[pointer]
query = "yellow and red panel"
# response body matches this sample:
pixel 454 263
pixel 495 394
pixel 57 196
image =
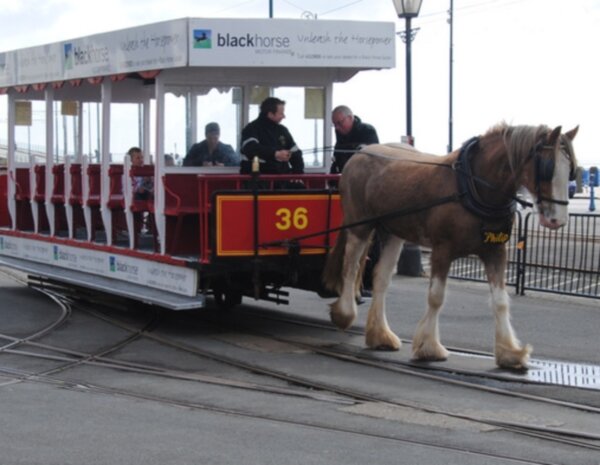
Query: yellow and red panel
pixel 281 217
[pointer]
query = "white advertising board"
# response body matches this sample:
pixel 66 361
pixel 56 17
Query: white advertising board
pixel 206 42
pixel 151 47
pixel 291 43
pixel 179 280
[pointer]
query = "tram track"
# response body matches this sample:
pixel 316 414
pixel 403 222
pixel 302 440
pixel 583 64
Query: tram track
pixel 418 367
pixel 73 358
pixel 552 434
pixel 313 425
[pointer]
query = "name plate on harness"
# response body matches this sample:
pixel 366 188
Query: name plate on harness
pixel 496 234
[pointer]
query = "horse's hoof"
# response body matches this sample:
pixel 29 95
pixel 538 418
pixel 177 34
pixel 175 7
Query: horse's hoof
pixel 386 348
pixel 515 359
pixel 339 318
pixel 436 354
pixel 387 342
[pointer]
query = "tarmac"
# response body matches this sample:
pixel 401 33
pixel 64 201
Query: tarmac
pixel 47 423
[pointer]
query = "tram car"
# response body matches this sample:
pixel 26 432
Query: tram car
pixel 68 212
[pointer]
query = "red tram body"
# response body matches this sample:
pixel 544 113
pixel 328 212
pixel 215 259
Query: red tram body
pixel 67 210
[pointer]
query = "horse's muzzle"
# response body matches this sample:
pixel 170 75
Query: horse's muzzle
pixel 551 223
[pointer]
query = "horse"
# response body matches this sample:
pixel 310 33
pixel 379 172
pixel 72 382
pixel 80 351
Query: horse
pixel 459 204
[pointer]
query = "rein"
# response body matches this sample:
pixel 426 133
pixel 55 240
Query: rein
pixel 374 219
pixel 467 195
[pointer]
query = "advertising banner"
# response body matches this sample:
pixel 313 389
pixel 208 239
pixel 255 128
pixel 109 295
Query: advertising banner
pixel 289 43
pixel 176 279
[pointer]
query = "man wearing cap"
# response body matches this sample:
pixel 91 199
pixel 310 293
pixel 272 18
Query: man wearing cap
pixel 211 152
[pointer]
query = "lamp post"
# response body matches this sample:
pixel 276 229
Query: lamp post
pixel 408 9
pixel 410 259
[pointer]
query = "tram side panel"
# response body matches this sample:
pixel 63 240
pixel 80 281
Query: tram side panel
pixel 288 245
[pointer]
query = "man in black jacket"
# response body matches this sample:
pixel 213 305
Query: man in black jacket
pixel 350 133
pixel 270 141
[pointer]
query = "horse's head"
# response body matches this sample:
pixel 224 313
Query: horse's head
pixel 553 164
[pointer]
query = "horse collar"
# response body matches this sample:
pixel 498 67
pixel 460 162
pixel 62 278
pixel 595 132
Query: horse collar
pixel 469 195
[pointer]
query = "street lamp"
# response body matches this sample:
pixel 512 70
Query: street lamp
pixel 408 9
pixel 410 259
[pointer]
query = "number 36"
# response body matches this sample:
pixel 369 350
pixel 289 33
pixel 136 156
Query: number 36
pixel 288 218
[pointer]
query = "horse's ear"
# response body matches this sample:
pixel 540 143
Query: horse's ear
pixel 572 133
pixel 554 136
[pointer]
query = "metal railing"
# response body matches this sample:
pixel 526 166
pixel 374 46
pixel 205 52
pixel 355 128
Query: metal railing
pixel 565 261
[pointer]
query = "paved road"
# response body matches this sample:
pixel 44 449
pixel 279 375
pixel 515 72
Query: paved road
pixel 95 413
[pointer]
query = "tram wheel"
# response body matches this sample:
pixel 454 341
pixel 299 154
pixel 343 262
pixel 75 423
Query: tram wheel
pixel 226 300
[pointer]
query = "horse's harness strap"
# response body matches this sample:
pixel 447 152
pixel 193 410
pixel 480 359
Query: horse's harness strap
pixel 470 198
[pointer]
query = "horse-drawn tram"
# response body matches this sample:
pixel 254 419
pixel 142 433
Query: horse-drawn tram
pixel 68 210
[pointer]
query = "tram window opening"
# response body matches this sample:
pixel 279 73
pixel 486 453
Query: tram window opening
pixel 92 130
pixel 126 130
pixel 30 135
pixel 188 112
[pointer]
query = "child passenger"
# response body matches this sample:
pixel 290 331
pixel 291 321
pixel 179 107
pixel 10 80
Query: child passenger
pixel 143 186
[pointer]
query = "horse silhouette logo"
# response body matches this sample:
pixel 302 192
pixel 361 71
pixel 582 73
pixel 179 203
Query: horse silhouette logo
pixel 68 55
pixel 202 38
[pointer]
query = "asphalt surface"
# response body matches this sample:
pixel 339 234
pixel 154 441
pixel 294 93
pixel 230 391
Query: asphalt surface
pixel 103 415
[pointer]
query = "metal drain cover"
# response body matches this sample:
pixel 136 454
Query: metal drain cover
pixel 564 374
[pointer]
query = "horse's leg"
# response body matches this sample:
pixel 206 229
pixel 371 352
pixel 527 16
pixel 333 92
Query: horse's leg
pixel 508 350
pixel 378 333
pixel 343 310
pixel 426 343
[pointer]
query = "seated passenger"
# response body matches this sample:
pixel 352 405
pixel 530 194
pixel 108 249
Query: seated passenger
pixel 143 186
pixel 211 152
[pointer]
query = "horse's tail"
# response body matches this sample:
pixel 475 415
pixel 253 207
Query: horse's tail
pixel 332 277
pixel 332 273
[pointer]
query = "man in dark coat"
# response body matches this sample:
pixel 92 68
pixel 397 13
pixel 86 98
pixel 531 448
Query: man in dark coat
pixel 211 151
pixel 270 141
pixel 350 133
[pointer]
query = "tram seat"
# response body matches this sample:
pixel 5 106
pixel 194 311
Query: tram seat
pixel 24 220
pixel 40 218
pixel 94 186
pixel 40 183
pixel 182 213
pixel 4 215
pixel 74 199
pixel 58 198
pixel 75 195
pixel 92 200
pixel 115 194
pixel 116 200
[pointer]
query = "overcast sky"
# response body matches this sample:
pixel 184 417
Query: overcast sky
pixel 519 61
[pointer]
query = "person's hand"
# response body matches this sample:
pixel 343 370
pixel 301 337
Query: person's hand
pixel 283 155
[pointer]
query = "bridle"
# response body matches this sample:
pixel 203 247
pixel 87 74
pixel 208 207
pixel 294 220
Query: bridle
pixel 544 170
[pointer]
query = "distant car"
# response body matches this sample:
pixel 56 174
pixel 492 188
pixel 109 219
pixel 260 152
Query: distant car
pixel 572 189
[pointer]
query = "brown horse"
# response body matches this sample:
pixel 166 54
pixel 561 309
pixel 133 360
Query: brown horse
pixel 459 204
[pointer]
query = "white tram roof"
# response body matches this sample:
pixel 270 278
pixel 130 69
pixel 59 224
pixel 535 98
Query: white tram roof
pixel 206 51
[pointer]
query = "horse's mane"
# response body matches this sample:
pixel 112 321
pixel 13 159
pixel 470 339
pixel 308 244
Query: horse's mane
pixel 521 140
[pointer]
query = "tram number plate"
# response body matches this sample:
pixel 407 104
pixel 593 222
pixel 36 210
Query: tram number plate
pixel 281 217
